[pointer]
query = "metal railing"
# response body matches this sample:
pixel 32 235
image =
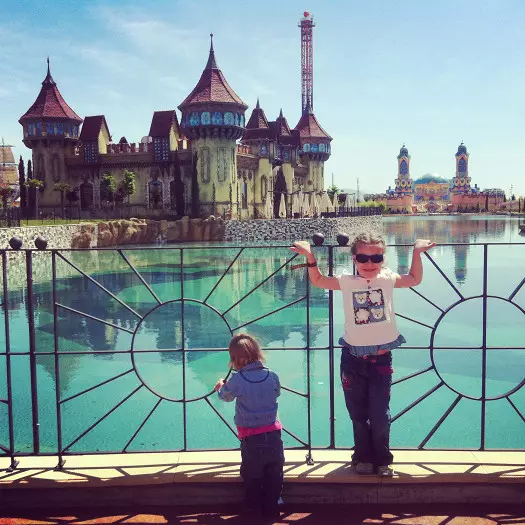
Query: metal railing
pixel 174 290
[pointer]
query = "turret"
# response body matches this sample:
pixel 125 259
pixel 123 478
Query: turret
pixel 213 119
pixel 461 181
pixel 403 180
pixel 314 148
pixel 51 130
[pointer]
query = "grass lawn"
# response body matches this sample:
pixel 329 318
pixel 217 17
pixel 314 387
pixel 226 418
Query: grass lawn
pixel 54 222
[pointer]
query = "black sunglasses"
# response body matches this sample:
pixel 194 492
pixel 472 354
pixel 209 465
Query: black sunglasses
pixel 362 258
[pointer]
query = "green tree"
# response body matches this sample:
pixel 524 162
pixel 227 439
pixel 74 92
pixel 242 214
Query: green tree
pixel 21 183
pixel 108 187
pixel 63 188
pixel 332 191
pixel 34 185
pixel 6 191
pixel 128 186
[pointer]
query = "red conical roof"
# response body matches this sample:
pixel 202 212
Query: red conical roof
pixel 257 126
pixel 308 127
pixel 212 87
pixel 50 103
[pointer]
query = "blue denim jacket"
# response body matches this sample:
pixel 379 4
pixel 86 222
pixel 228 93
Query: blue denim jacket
pixel 255 390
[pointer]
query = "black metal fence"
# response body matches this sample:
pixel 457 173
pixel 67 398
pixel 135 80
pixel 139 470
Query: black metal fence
pixel 172 287
pixel 9 217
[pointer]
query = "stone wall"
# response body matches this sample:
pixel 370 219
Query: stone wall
pixel 281 229
pixel 57 236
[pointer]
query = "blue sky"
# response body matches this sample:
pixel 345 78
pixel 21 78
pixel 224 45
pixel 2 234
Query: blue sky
pixel 427 73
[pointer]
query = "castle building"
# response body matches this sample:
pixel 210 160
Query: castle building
pixel 433 193
pixel 211 162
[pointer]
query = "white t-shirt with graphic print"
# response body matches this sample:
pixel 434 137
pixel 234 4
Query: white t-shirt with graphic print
pixel 369 308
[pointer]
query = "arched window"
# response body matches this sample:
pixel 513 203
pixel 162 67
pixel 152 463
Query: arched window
pixel 205 165
pixel 244 195
pixel 462 165
pixel 86 195
pixel 403 167
pixel 222 164
pixel 264 188
pixel 155 194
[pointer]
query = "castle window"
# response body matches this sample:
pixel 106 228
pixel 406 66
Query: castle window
pixel 462 165
pixel 315 148
pixel 222 164
pixel 216 118
pixel 264 148
pixel 161 149
pixel 205 165
pixel 205 118
pixel 306 148
pixel 31 129
pixel 237 120
pixel 244 195
pixel 322 148
pixel 242 120
pixel 90 152
pixel 403 167
pixel 264 188
pixel 49 128
pixel 39 128
pixel 194 118
pixel 228 118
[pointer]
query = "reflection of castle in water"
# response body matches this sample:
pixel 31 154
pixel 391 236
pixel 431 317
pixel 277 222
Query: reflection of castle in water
pixel 461 231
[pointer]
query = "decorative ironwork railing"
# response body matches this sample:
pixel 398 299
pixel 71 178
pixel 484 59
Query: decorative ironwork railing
pixel 117 350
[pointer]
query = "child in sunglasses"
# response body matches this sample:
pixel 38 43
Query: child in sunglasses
pixel 370 334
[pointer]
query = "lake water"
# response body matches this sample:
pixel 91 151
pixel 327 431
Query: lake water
pixel 142 390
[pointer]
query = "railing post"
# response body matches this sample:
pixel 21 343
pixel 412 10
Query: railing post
pixel 309 458
pixel 32 351
pixel 14 462
pixel 484 349
pixel 331 357
pixel 57 362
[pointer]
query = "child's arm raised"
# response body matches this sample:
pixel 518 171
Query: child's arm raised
pixel 415 275
pixel 227 391
pixel 316 277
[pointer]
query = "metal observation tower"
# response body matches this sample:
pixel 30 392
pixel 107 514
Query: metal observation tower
pixel 307 62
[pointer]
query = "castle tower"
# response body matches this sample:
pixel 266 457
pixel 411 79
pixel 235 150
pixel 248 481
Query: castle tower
pixel 258 136
pixel 213 119
pixel 51 130
pixel 283 151
pixel 314 149
pixel 403 181
pixel 461 181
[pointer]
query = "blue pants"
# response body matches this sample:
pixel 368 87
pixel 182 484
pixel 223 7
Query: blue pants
pixel 366 385
pixel 262 471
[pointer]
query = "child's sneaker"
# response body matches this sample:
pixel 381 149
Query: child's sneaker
pixel 364 468
pixel 385 471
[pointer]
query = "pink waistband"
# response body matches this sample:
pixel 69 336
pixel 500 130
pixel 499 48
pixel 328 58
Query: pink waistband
pixel 245 432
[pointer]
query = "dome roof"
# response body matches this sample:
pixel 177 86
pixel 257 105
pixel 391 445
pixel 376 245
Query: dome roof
pixel 461 149
pixel 431 177
pixel 403 152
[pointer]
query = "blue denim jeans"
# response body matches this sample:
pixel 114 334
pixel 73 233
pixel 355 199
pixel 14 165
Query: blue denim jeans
pixel 262 471
pixel 366 386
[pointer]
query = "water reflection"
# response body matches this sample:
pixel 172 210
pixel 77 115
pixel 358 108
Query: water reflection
pixel 247 283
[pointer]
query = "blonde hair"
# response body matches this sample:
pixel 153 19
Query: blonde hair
pixel 244 349
pixel 367 238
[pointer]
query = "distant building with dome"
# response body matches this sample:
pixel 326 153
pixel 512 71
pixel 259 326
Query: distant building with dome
pixel 435 193
pixel 211 161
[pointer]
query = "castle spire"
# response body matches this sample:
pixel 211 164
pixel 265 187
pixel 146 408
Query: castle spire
pixel 212 63
pixel 49 79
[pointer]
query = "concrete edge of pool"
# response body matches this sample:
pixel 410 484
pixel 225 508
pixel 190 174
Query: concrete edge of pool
pixel 183 478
